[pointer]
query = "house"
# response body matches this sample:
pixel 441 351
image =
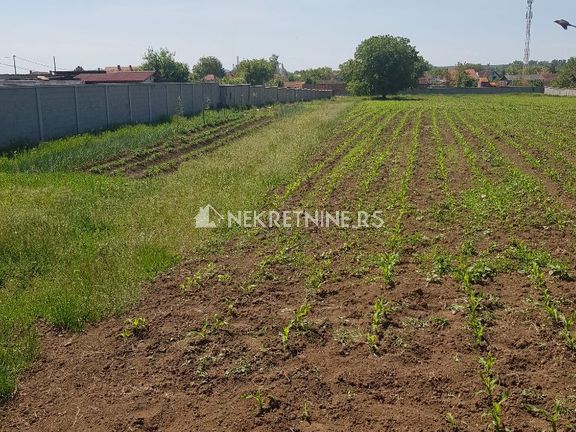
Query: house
pixel 537 79
pixel 424 82
pixel 473 74
pixel 454 74
pixel 127 77
pixel 210 78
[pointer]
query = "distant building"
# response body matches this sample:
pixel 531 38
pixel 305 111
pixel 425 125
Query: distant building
pixel 294 84
pixel 210 78
pixel 428 81
pixel 123 77
pixel 538 79
pixel 473 74
pixel 119 68
pixel 338 87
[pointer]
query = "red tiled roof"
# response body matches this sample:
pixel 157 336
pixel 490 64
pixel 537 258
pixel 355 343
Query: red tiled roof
pixel 115 77
pixel 472 73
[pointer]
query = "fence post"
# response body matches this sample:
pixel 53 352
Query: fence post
pixel 166 94
pixel 130 103
pixel 39 108
pixel 107 106
pixel 149 105
pixel 76 109
pixel 181 107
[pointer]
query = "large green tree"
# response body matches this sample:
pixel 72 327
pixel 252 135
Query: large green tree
pixel 163 63
pixel 255 72
pixel 208 66
pixel 383 65
pixel 567 76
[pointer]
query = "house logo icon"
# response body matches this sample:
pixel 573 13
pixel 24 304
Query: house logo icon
pixel 208 217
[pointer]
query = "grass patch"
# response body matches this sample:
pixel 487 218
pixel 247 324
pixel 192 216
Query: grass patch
pixel 71 153
pixel 76 247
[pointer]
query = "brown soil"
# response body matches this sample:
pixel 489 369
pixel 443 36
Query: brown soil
pixel 171 378
pixel 168 158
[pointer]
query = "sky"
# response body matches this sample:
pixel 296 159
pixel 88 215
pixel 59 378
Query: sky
pixel 304 34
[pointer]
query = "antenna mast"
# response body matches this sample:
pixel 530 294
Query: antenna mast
pixel 529 16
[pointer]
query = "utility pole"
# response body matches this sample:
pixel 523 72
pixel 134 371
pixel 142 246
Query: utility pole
pixel 14 60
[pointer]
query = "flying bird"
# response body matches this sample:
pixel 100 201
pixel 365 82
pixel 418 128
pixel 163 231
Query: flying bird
pixel 564 24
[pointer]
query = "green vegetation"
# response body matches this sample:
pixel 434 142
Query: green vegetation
pixel 297 323
pixel 164 64
pixel 135 327
pixel 207 66
pixel 469 276
pixel 76 247
pixel 491 388
pixel 383 65
pixel 567 76
pixel 380 317
pixel 255 72
pixel 79 151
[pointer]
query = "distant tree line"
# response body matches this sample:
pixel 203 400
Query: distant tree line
pixel 382 65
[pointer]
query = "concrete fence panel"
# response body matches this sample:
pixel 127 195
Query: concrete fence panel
pixel 91 113
pixel 237 95
pixel 244 95
pixel 58 110
pixel 211 94
pixel 282 95
pixel 270 95
pixel 19 116
pixel 140 109
pixel 119 104
pixel 187 98
pixel 197 98
pixel 560 91
pixel 158 102
pixel 174 98
pixel 225 96
pixel 258 96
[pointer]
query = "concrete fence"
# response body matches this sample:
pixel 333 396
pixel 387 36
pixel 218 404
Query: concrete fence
pixel 37 113
pixel 560 91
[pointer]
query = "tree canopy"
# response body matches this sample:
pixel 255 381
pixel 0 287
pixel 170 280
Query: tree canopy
pixel 567 76
pixel 311 76
pixel 208 66
pixel 383 65
pixel 255 72
pixel 164 64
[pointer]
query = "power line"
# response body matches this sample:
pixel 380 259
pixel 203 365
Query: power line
pixel 31 61
pixel 17 67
